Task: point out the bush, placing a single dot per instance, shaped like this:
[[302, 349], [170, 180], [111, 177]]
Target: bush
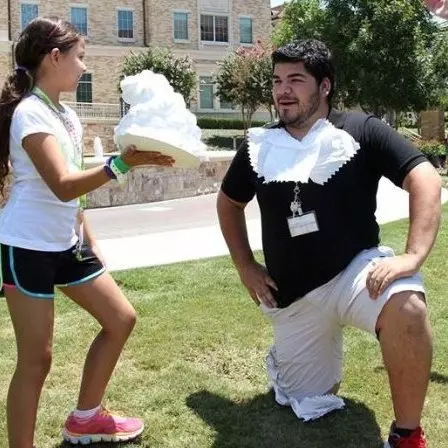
[[435, 151], [178, 70], [225, 123], [432, 148]]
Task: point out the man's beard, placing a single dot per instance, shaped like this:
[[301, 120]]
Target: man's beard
[[305, 112]]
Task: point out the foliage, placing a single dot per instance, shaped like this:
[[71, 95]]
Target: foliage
[[179, 71], [225, 123], [382, 48], [244, 78], [432, 148]]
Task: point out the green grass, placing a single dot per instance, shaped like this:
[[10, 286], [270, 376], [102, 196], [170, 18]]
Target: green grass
[[194, 366]]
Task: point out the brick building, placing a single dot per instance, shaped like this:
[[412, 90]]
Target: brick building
[[204, 29]]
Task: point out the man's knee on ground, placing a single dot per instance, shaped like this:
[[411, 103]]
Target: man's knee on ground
[[405, 312]]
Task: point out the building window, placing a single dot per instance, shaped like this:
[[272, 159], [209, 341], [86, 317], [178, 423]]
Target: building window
[[79, 19], [28, 12], [84, 90], [125, 24], [225, 105], [180, 25], [206, 92], [214, 28], [246, 30]]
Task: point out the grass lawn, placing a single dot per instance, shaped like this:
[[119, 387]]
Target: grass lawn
[[194, 366]]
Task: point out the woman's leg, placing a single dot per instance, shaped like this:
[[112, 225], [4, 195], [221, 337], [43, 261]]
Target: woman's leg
[[32, 320], [103, 299]]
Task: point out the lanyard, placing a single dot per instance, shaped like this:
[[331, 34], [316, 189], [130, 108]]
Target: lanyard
[[76, 154], [77, 149], [296, 204]]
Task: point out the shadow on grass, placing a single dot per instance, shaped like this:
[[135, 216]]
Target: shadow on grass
[[439, 378], [260, 422]]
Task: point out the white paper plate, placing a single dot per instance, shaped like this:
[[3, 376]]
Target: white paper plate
[[183, 159]]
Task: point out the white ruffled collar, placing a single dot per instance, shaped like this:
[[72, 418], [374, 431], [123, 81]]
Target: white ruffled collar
[[278, 157]]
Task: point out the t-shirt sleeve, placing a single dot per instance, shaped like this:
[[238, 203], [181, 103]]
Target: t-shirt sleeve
[[239, 182], [393, 155], [29, 119]]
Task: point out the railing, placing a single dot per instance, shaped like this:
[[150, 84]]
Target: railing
[[410, 135], [97, 111]]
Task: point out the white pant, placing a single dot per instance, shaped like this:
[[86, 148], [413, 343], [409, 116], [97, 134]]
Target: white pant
[[306, 359]]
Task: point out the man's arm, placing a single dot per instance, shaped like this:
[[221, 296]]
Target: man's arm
[[233, 226], [423, 184]]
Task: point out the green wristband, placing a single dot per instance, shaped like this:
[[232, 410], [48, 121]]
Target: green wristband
[[121, 165]]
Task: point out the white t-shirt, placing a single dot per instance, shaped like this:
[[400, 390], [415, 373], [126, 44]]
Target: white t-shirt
[[33, 217]]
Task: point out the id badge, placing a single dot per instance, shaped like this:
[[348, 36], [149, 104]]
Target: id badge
[[303, 224]]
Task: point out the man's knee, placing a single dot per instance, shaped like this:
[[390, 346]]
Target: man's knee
[[405, 311]]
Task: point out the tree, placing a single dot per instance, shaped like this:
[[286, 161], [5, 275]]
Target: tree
[[437, 70], [179, 71], [380, 48], [244, 78]]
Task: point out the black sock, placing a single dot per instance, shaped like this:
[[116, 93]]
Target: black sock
[[402, 432]]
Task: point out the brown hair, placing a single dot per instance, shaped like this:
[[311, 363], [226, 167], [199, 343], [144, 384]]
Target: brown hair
[[37, 40]]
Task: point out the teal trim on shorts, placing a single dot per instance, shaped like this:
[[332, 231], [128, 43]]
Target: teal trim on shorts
[[85, 279], [16, 281]]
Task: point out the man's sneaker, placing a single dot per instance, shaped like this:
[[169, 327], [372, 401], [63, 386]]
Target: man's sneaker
[[102, 427], [415, 440]]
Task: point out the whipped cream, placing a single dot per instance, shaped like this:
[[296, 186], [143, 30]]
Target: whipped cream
[[158, 112]]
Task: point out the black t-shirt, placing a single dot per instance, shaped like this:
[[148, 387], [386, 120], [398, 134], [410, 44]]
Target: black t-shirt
[[345, 206]]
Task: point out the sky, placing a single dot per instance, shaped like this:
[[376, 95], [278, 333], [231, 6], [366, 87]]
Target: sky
[[277, 2]]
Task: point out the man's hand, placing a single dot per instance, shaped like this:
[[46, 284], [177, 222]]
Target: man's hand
[[438, 7], [257, 281], [387, 270]]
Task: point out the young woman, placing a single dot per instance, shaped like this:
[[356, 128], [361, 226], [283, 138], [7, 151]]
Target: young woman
[[46, 241]]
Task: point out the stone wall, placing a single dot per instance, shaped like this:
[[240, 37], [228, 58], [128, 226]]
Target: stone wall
[[160, 23], [259, 11], [104, 130], [433, 125], [4, 20], [5, 61], [151, 184]]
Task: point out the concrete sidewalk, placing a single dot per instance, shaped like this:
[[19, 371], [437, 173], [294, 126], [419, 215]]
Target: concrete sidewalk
[[187, 229]]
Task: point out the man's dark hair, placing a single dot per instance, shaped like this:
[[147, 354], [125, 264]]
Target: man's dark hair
[[316, 58]]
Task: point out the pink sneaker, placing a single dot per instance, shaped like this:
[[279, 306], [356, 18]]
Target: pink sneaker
[[102, 427]]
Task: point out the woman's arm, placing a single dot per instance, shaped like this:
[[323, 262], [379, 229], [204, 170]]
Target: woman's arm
[[46, 155]]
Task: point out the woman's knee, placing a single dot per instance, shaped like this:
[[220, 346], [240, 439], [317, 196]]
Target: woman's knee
[[36, 364], [123, 322]]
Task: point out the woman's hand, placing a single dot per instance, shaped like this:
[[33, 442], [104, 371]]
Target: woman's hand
[[133, 157]]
